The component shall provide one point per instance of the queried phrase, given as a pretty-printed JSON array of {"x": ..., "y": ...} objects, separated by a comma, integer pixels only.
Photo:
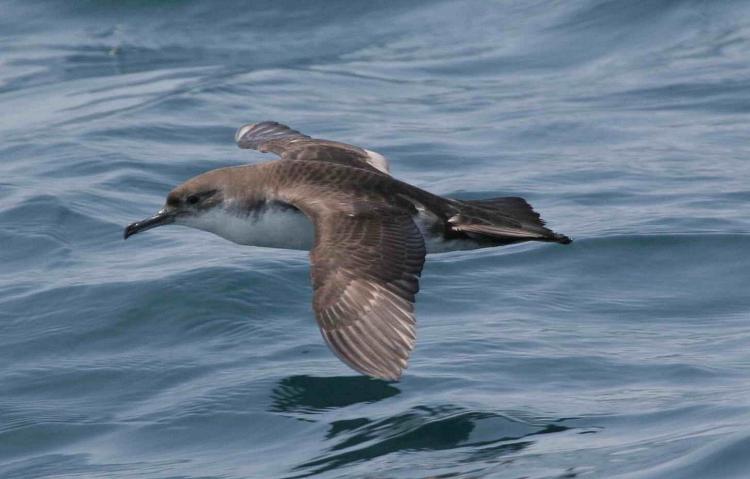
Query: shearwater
[{"x": 367, "y": 232}]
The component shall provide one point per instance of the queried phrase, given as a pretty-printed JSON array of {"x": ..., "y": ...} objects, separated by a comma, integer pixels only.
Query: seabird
[{"x": 367, "y": 232}]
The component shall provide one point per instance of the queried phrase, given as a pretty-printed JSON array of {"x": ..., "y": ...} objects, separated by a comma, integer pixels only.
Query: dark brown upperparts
[{"x": 290, "y": 144}]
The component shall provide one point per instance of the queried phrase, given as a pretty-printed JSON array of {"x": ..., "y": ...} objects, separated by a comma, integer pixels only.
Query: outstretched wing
[
  {"x": 365, "y": 274},
  {"x": 290, "y": 144}
]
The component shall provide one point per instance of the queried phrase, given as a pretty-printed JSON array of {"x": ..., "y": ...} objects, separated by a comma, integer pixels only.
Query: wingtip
[
  {"x": 391, "y": 378},
  {"x": 382, "y": 374},
  {"x": 253, "y": 135},
  {"x": 241, "y": 131}
]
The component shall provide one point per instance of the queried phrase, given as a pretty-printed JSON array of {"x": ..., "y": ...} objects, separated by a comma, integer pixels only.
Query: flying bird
[{"x": 367, "y": 233}]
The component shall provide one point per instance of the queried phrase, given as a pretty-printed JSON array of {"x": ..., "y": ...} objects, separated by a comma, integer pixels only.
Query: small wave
[
  {"x": 724, "y": 458},
  {"x": 473, "y": 437}
]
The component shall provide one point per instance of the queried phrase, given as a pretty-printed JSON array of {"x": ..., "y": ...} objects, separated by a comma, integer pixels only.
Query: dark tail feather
[
  {"x": 562, "y": 239},
  {"x": 513, "y": 206},
  {"x": 505, "y": 218}
]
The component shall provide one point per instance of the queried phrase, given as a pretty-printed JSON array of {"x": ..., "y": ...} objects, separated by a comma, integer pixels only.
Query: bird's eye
[{"x": 192, "y": 199}]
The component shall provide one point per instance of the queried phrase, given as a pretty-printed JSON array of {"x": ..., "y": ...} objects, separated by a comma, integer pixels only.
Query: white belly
[
  {"x": 287, "y": 228},
  {"x": 272, "y": 227}
]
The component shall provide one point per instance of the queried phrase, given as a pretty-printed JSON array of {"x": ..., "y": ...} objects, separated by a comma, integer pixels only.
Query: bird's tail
[{"x": 507, "y": 219}]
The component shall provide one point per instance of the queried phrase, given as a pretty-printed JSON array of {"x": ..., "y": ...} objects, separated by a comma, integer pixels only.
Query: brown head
[{"x": 188, "y": 202}]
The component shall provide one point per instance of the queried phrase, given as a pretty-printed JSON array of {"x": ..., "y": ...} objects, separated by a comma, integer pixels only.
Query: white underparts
[
  {"x": 271, "y": 226},
  {"x": 275, "y": 226}
]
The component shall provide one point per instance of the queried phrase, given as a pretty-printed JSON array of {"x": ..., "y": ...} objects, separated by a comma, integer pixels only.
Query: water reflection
[
  {"x": 309, "y": 395},
  {"x": 472, "y": 436}
]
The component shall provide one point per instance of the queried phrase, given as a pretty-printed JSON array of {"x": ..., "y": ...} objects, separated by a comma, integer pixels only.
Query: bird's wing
[
  {"x": 365, "y": 274},
  {"x": 292, "y": 145}
]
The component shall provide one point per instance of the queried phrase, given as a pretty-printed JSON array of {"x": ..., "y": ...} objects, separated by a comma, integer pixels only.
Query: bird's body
[
  {"x": 272, "y": 225},
  {"x": 262, "y": 212},
  {"x": 368, "y": 232}
]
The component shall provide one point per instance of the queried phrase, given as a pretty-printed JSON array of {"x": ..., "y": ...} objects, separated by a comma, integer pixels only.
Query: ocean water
[{"x": 177, "y": 354}]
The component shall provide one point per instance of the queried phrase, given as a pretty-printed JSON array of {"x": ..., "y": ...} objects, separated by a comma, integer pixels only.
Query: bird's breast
[{"x": 271, "y": 226}]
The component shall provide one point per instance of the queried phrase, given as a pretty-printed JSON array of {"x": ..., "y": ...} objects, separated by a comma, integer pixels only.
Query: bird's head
[{"x": 188, "y": 204}]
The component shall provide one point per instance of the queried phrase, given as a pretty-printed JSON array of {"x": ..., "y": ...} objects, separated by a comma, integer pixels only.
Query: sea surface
[{"x": 176, "y": 354}]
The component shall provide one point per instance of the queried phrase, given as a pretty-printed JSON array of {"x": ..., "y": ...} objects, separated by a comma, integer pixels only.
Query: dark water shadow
[
  {"x": 309, "y": 395},
  {"x": 466, "y": 437}
]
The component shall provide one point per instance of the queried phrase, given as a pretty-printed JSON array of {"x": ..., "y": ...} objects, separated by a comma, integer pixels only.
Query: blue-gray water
[{"x": 177, "y": 354}]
